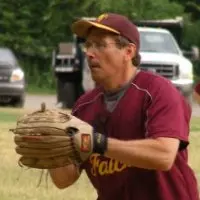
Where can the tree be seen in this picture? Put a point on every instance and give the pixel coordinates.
(191, 6)
(22, 25)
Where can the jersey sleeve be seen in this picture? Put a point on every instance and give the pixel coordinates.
(168, 114)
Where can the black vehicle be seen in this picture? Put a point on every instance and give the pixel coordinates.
(12, 80)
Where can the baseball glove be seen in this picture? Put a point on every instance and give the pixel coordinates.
(51, 138)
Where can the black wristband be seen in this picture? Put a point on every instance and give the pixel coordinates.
(100, 143)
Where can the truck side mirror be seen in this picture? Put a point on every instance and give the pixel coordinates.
(193, 54)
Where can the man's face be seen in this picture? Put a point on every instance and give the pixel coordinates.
(104, 57)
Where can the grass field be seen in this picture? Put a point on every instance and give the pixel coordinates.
(18, 183)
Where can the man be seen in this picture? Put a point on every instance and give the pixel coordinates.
(196, 93)
(143, 117)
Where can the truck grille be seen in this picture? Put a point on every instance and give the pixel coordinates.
(5, 73)
(66, 63)
(166, 70)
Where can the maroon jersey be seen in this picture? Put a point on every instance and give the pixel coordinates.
(151, 107)
(197, 88)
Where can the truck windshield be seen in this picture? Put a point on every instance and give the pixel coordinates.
(6, 55)
(159, 42)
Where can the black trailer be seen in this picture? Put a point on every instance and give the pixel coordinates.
(67, 62)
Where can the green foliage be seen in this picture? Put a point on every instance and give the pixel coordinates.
(190, 6)
(59, 21)
(38, 71)
(197, 71)
(143, 9)
(23, 27)
(192, 34)
(34, 89)
(192, 38)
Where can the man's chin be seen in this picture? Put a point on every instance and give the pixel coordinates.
(97, 78)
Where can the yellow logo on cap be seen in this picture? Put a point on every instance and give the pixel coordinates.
(101, 17)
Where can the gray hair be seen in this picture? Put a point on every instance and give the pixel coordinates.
(121, 43)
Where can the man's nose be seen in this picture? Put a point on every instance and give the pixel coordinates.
(90, 53)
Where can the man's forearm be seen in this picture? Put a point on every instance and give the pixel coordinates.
(145, 153)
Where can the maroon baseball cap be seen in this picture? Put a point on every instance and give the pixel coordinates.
(111, 22)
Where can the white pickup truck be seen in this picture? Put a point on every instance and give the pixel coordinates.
(160, 53)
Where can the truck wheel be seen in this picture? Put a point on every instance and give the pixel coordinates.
(69, 95)
(19, 102)
(60, 88)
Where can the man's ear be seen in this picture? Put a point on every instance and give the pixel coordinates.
(130, 51)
